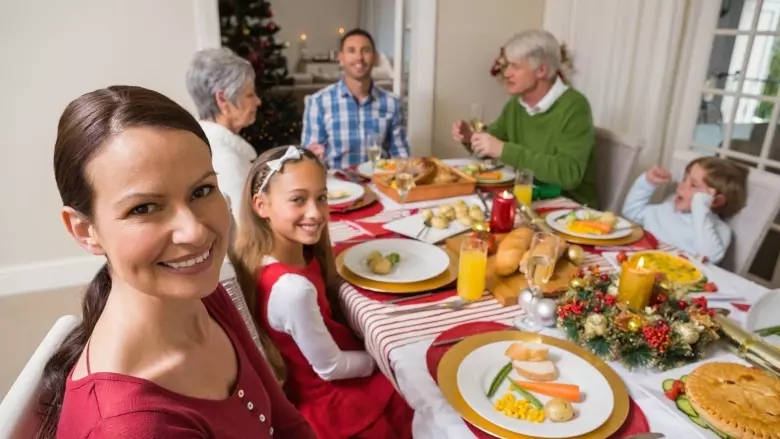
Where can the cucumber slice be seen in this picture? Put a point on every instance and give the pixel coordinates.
(685, 406)
(684, 378)
(697, 420)
(667, 384)
(720, 434)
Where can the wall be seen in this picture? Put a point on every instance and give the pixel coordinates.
(320, 20)
(29, 317)
(468, 41)
(52, 52)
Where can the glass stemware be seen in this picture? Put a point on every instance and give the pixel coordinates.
(373, 149)
(404, 177)
(539, 269)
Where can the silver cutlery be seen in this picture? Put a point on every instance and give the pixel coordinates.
(483, 198)
(452, 306)
(405, 298)
(424, 230)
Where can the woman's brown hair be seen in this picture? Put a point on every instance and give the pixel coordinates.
(85, 126)
(254, 240)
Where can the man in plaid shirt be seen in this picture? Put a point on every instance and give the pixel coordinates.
(338, 117)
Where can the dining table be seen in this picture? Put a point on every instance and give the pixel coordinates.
(399, 343)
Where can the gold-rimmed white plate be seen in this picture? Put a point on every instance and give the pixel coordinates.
(560, 350)
(418, 261)
(447, 277)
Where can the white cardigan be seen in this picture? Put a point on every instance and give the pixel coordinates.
(231, 157)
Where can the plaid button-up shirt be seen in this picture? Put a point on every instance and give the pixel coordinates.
(336, 119)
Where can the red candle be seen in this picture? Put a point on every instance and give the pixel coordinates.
(502, 216)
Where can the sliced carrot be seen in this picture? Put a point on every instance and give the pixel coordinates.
(598, 225)
(569, 392)
(490, 175)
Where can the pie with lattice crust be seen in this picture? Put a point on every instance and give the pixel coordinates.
(740, 401)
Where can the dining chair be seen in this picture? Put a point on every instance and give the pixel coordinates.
(750, 226)
(615, 157)
(19, 409)
(229, 281)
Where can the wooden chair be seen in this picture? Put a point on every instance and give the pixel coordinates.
(615, 158)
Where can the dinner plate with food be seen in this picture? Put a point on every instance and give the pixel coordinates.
(484, 172)
(535, 389)
(343, 192)
(764, 318)
(436, 224)
(589, 223)
(719, 398)
(368, 169)
(396, 260)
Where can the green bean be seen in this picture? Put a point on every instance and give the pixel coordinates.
(527, 395)
(503, 373)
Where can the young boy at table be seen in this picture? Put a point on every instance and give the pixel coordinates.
(284, 261)
(694, 219)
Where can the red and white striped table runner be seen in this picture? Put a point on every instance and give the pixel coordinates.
(384, 333)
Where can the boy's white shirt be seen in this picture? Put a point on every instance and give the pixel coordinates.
(292, 308)
(698, 232)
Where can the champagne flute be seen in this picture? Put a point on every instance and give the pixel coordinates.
(404, 177)
(373, 149)
(539, 269)
(476, 119)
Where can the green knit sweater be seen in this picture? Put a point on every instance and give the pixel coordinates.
(557, 145)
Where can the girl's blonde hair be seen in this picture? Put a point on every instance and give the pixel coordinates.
(254, 240)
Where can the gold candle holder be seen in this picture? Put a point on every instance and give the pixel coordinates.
(636, 285)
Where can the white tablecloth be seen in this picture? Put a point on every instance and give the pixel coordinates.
(436, 419)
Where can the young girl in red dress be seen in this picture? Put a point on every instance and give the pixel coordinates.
(284, 261)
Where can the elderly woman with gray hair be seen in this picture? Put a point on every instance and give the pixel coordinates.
(222, 84)
(546, 126)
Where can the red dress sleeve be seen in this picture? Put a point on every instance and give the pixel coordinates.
(144, 425)
(288, 421)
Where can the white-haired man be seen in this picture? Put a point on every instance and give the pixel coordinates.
(546, 126)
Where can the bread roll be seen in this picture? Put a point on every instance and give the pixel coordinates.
(552, 247)
(511, 250)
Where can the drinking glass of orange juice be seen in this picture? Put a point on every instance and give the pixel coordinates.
(472, 269)
(524, 186)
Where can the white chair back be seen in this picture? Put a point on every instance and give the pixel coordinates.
(750, 226)
(19, 409)
(616, 155)
(228, 280)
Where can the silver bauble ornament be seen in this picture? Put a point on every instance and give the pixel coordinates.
(526, 299)
(546, 311)
(688, 332)
(595, 325)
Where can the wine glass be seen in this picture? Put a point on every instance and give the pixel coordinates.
(373, 149)
(404, 177)
(476, 119)
(539, 268)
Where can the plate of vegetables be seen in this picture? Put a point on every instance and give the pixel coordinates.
(535, 389)
(589, 223)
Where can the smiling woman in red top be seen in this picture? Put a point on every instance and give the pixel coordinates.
(161, 352)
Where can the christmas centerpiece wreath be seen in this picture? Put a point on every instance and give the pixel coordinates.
(668, 333)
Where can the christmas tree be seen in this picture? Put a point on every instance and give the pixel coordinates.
(247, 28)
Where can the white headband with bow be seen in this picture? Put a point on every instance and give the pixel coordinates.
(292, 153)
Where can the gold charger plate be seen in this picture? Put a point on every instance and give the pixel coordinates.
(368, 198)
(447, 377)
(636, 234)
(447, 277)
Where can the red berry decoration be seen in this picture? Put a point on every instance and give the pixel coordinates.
(710, 287)
(604, 277)
(621, 257)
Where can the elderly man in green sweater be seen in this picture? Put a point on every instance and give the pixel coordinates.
(546, 126)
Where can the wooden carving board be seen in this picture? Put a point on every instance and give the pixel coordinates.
(506, 289)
